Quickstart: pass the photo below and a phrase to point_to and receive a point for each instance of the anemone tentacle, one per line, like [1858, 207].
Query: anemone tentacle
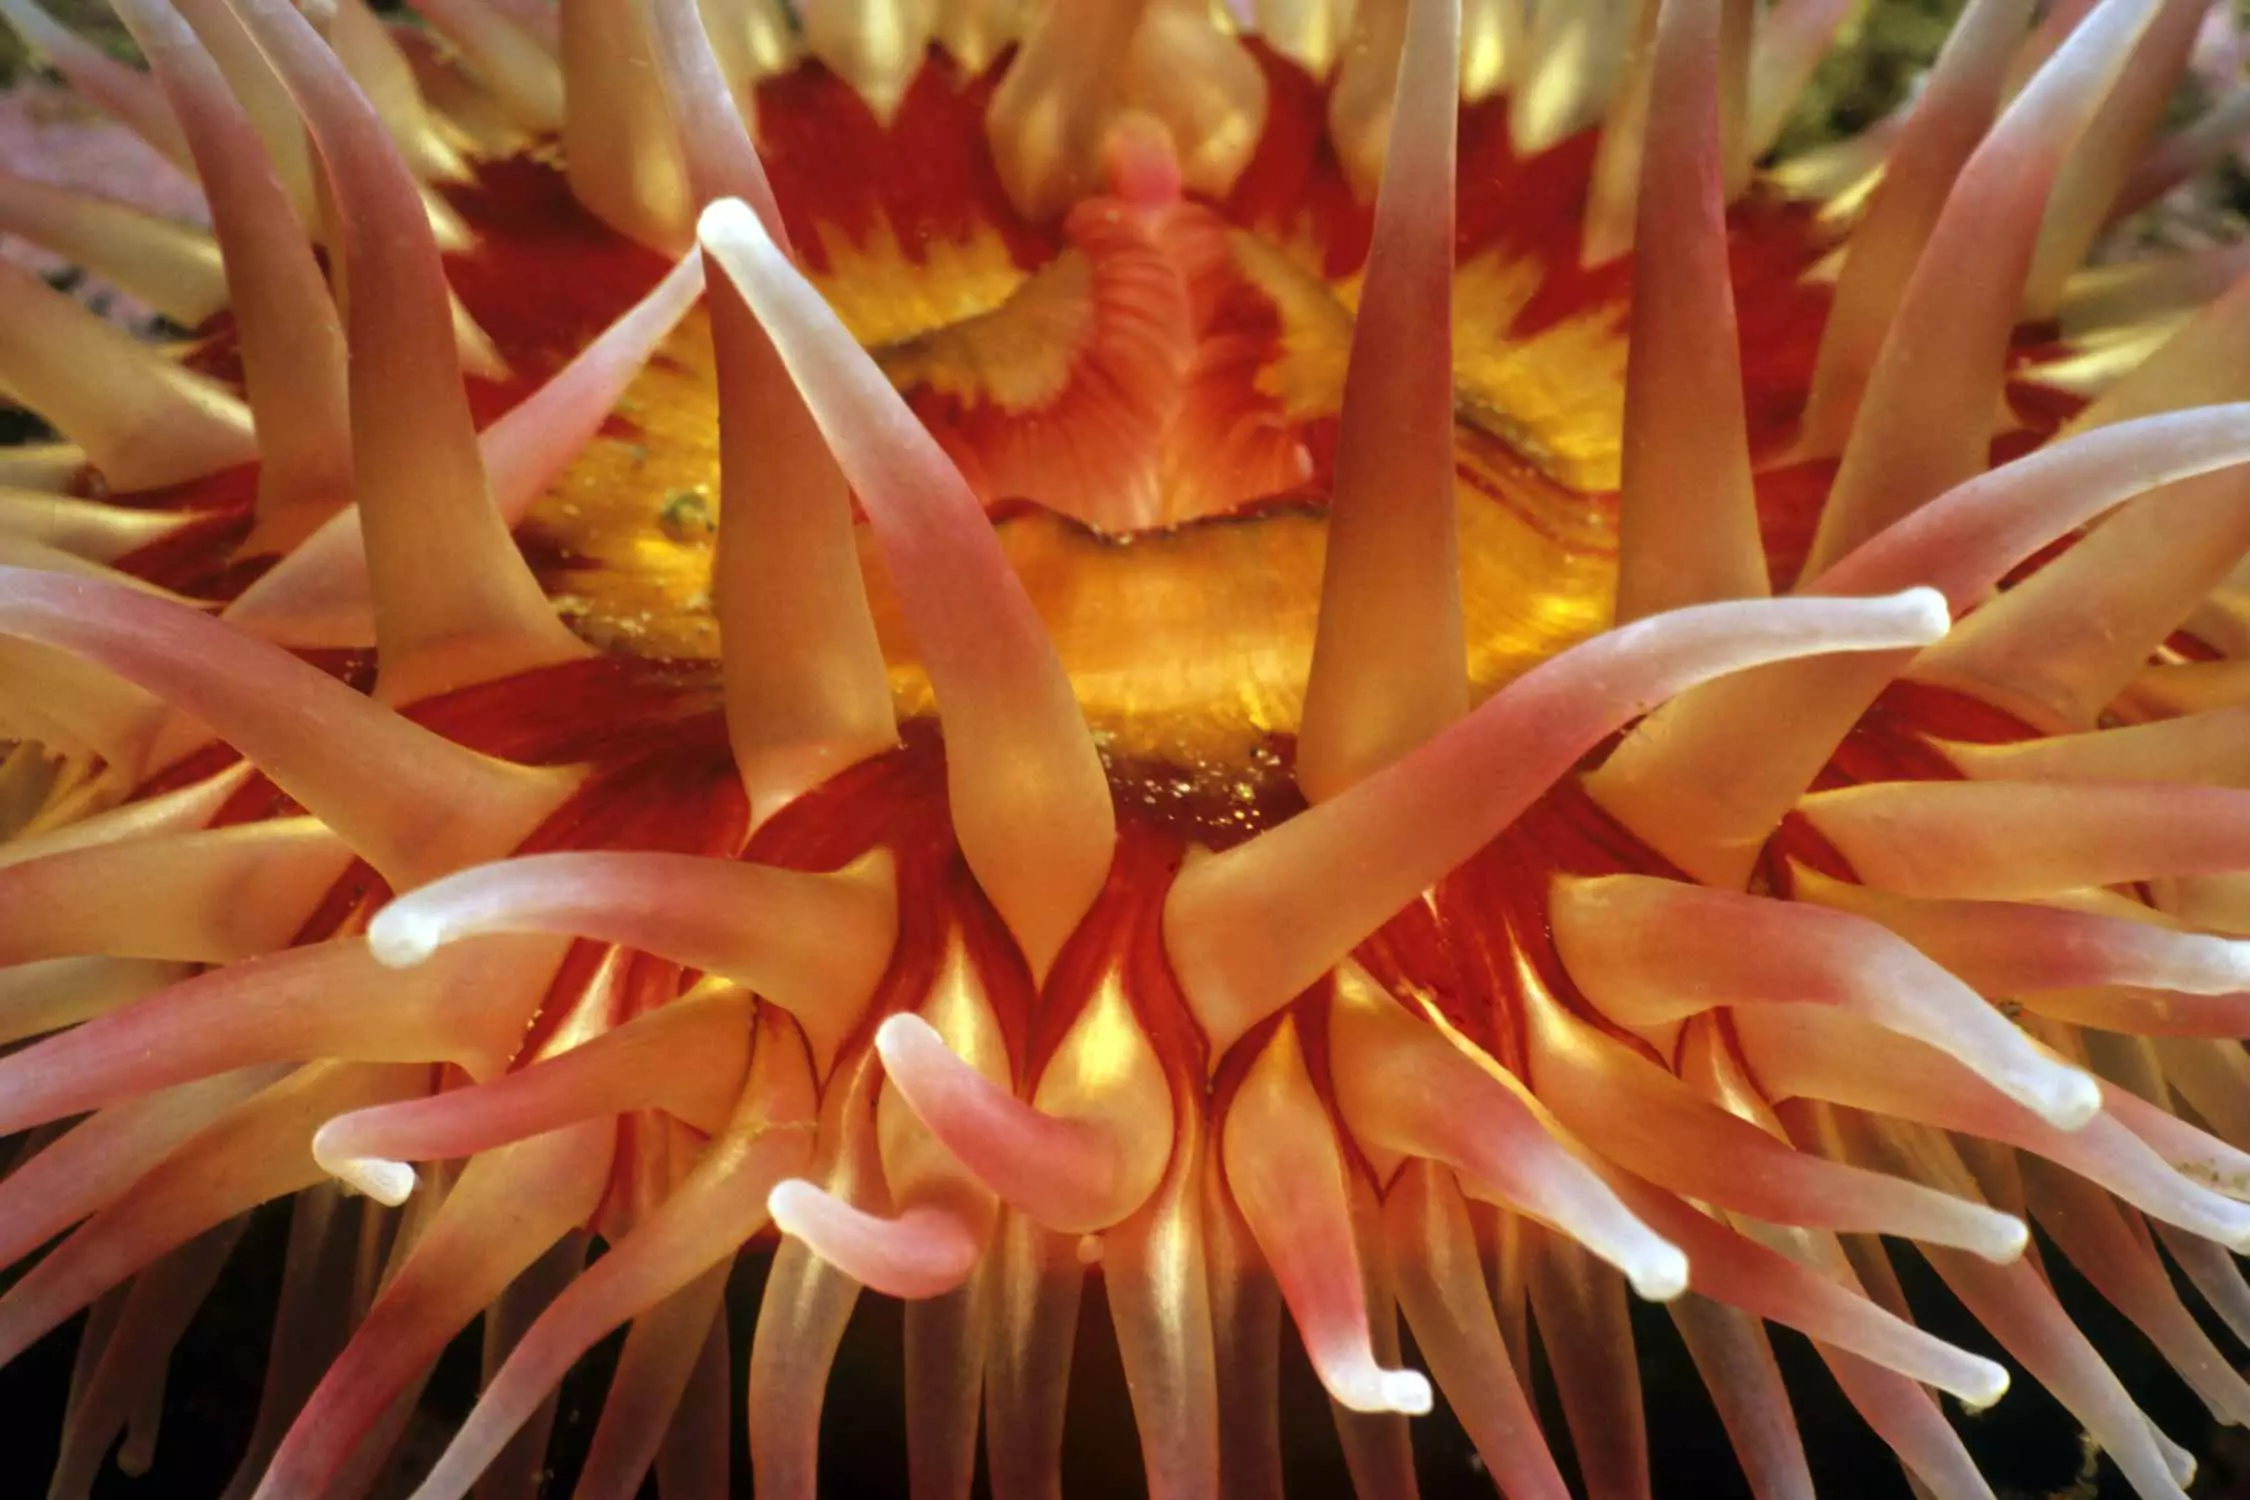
[991, 652]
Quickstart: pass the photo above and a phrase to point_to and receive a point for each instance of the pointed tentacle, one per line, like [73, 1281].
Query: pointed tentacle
[1792, 37]
[123, 92]
[816, 944]
[877, 49]
[1046, 118]
[171, 267]
[371, 54]
[448, 613]
[1286, 1173]
[520, 71]
[318, 593]
[2002, 840]
[413, 804]
[687, 1058]
[43, 997]
[212, 896]
[714, 1211]
[1250, 928]
[508, 1208]
[1926, 419]
[1441, 1287]
[1946, 124]
[1683, 781]
[1687, 516]
[89, 529]
[530, 445]
[101, 1157]
[620, 150]
[142, 419]
[184, 810]
[1389, 657]
[807, 692]
[2184, 155]
[324, 1000]
[2102, 158]
[288, 327]
[1648, 951]
[1030, 802]
[254, 1152]
[2211, 748]
[1804, 1052]
[1404, 1086]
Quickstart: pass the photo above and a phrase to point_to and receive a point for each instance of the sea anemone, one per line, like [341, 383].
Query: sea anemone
[1353, 661]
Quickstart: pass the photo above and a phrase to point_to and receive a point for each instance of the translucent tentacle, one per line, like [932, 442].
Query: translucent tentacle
[254, 1152]
[1388, 658]
[1286, 1173]
[211, 896]
[414, 804]
[326, 1000]
[468, 609]
[1441, 1287]
[1687, 517]
[687, 1058]
[813, 943]
[1250, 928]
[1404, 1087]
[1029, 800]
[174, 269]
[142, 419]
[508, 1208]
[716, 1209]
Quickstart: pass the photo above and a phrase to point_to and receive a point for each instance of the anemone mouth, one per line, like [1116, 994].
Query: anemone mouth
[1172, 681]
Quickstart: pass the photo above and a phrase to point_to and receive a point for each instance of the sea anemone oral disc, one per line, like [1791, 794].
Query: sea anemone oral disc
[983, 650]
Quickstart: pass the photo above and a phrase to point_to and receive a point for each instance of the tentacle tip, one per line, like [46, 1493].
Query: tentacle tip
[2064, 1097]
[1924, 615]
[731, 224]
[1659, 1274]
[791, 1203]
[389, 1183]
[899, 1033]
[401, 938]
[1406, 1392]
[1373, 1390]
[2010, 1238]
[1989, 1384]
